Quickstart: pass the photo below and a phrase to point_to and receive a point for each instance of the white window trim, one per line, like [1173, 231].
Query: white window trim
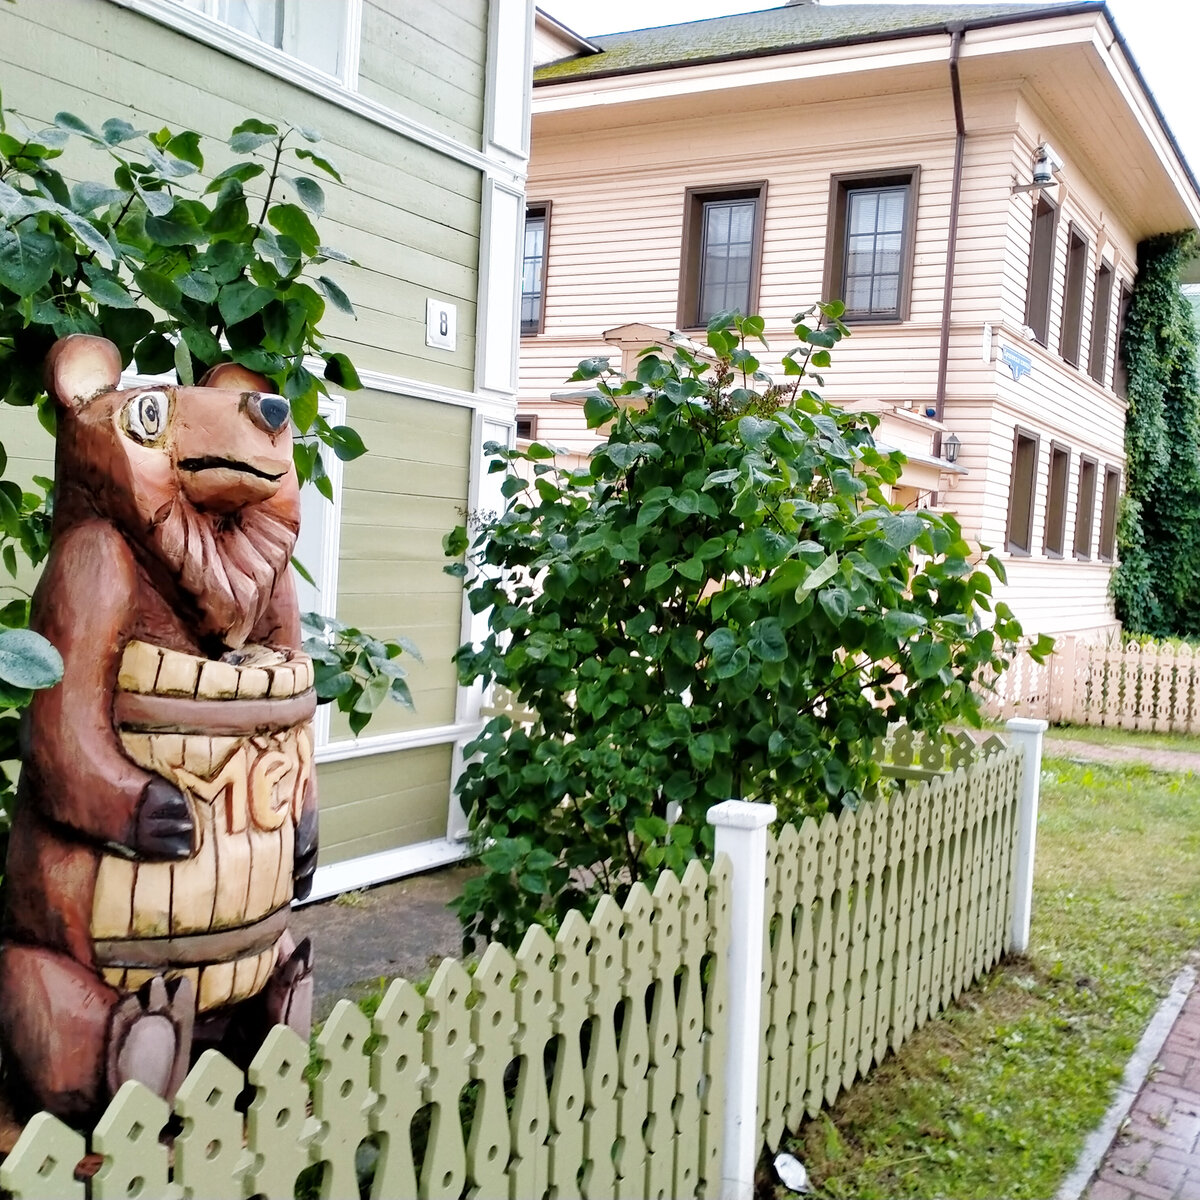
[344, 95]
[215, 32]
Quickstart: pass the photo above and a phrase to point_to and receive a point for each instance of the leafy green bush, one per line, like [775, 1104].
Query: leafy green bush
[1156, 583]
[722, 604]
[181, 272]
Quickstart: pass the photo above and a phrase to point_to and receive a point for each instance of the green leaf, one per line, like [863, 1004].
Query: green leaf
[291, 220]
[767, 640]
[183, 364]
[178, 228]
[201, 342]
[243, 172]
[929, 657]
[836, 603]
[27, 660]
[115, 131]
[72, 124]
[88, 196]
[154, 355]
[158, 289]
[598, 409]
[754, 431]
[88, 234]
[242, 299]
[107, 291]
[197, 285]
[900, 624]
[346, 442]
[658, 574]
[318, 161]
[335, 295]
[310, 192]
[820, 574]
[27, 260]
[251, 134]
[339, 370]
[157, 202]
[901, 529]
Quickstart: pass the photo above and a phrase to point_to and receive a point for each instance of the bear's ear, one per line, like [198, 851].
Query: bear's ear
[236, 378]
[81, 367]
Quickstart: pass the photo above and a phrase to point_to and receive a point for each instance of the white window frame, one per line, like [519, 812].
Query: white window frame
[206, 27]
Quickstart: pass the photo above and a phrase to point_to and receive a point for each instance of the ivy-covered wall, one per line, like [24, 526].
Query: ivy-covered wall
[1156, 587]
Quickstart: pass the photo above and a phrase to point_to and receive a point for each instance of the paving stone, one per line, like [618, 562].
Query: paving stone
[1104, 1189]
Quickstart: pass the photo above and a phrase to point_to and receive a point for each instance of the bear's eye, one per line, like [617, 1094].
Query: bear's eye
[146, 415]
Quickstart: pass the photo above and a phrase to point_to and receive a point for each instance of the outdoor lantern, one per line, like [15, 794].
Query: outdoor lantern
[950, 448]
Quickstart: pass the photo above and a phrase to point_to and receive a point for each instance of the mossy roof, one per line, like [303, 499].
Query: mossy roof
[780, 30]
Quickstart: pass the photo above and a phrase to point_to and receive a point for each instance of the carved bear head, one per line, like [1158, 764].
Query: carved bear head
[199, 479]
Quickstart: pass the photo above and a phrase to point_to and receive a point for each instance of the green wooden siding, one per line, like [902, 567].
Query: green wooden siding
[397, 503]
[426, 61]
[382, 801]
[410, 215]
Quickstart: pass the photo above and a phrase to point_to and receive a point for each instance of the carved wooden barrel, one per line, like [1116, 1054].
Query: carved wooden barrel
[237, 741]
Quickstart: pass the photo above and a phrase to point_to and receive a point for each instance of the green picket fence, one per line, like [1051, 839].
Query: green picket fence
[624, 1058]
[877, 920]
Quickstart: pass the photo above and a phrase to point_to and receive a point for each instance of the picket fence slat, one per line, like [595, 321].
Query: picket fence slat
[592, 1065]
[1148, 686]
[879, 919]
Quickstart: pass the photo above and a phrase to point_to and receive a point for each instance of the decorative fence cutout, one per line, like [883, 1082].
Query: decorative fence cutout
[1152, 686]
[595, 1065]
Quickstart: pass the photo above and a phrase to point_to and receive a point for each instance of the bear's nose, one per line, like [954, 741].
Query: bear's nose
[269, 412]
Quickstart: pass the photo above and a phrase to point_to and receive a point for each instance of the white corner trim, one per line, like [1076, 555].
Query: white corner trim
[336, 878]
[502, 404]
[300, 74]
[389, 743]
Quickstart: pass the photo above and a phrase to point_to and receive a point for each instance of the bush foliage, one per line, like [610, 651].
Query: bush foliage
[1156, 586]
[723, 603]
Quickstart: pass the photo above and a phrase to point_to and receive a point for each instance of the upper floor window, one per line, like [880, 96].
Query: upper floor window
[1041, 268]
[722, 252]
[533, 268]
[1101, 306]
[317, 32]
[1120, 374]
[871, 234]
[1073, 288]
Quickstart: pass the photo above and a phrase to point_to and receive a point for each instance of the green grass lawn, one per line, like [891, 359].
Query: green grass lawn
[997, 1096]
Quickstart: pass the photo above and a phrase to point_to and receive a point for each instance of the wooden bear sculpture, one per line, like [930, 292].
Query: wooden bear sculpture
[166, 811]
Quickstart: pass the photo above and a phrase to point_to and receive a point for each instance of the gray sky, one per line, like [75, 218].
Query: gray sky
[1164, 36]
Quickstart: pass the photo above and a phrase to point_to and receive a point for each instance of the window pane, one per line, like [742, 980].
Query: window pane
[864, 212]
[874, 256]
[726, 255]
[261, 19]
[532, 265]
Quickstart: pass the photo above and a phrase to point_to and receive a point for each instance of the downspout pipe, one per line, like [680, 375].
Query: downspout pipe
[960, 138]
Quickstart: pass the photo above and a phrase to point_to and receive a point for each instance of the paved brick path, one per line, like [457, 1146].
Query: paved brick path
[1156, 1156]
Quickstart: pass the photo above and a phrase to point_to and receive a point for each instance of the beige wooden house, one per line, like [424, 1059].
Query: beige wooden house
[424, 109]
[972, 180]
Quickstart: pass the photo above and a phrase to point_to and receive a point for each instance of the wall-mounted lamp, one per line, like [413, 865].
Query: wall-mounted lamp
[1046, 163]
[950, 448]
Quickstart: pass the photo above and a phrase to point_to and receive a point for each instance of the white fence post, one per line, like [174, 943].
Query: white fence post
[741, 833]
[1026, 733]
